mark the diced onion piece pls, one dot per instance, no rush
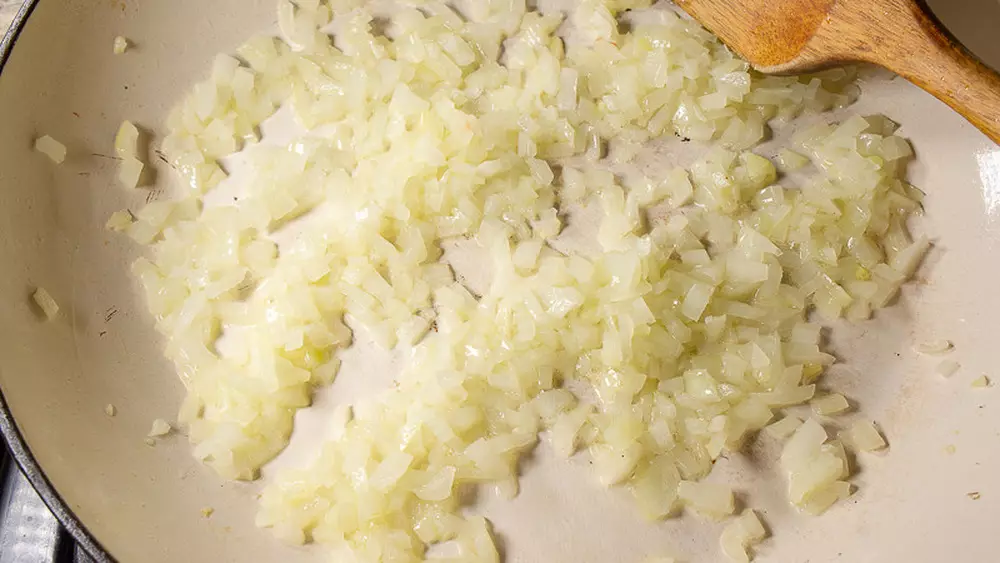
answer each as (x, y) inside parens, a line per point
(130, 171)
(947, 368)
(740, 534)
(981, 382)
(567, 429)
(110, 410)
(935, 347)
(46, 303)
(439, 486)
(120, 221)
(390, 470)
(813, 467)
(709, 499)
(823, 499)
(733, 546)
(895, 148)
(120, 45)
(51, 148)
(791, 160)
(127, 140)
(830, 404)
(160, 428)
(479, 541)
(568, 79)
(865, 437)
(696, 301)
(789, 396)
(679, 314)
(907, 259)
(613, 465)
(753, 528)
(803, 444)
(540, 171)
(784, 428)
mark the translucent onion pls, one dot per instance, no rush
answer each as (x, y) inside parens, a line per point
(652, 320)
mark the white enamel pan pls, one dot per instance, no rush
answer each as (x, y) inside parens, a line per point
(933, 497)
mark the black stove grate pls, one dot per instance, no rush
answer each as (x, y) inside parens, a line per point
(29, 533)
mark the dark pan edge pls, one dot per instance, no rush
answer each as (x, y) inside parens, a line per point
(11, 433)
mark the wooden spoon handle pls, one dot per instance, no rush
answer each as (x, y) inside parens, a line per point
(939, 64)
(903, 37)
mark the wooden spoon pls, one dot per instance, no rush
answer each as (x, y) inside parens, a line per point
(783, 36)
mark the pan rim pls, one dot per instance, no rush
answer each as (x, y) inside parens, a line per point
(12, 435)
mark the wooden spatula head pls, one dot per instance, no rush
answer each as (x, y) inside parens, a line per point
(771, 34)
(901, 35)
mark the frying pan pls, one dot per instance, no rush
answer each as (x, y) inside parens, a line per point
(124, 500)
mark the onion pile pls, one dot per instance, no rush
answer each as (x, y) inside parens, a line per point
(654, 342)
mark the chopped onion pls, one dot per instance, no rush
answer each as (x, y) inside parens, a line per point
(160, 428)
(947, 368)
(791, 160)
(45, 303)
(830, 404)
(743, 532)
(935, 347)
(51, 148)
(120, 45)
(865, 437)
(651, 319)
(814, 468)
(784, 427)
(906, 260)
(710, 499)
(129, 172)
(824, 498)
(120, 221)
(127, 140)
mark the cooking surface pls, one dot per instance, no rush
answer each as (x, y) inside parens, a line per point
(29, 533)
(47, 546)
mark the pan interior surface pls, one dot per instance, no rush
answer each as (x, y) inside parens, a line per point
(63, 79)
(933, 496)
